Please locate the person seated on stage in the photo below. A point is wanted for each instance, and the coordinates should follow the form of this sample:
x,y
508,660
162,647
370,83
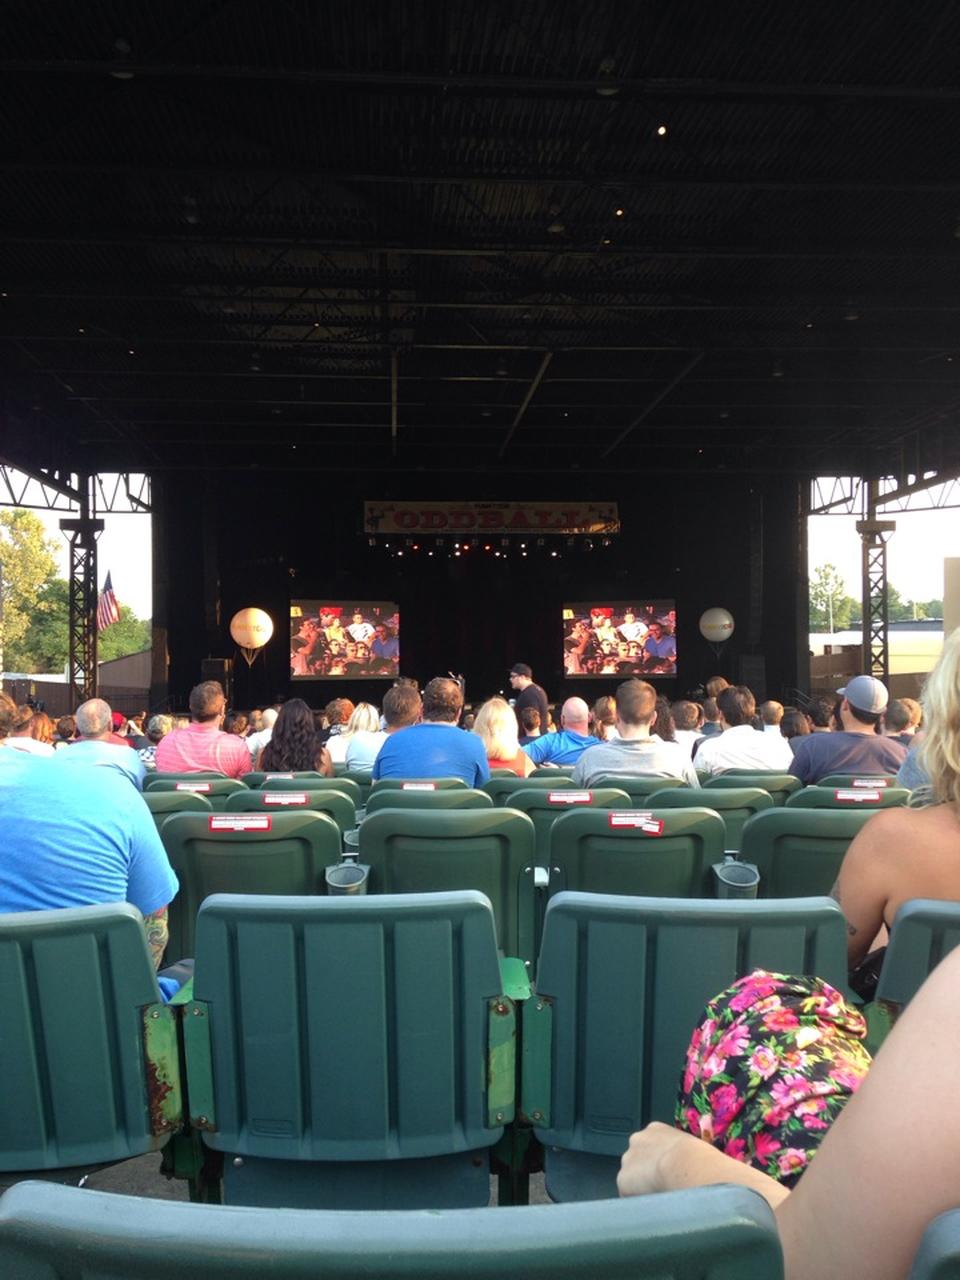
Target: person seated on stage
x,y
638,752
771,716
687,717
902,720
910,853
203,747
496,727
294,745
529,725
887,1167
794,724
364,719
568,744
21,734
856,745
74,837
99,745
740,746
435,748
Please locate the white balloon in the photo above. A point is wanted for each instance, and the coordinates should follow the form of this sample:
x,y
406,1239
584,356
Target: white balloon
x,y
716,625
251,628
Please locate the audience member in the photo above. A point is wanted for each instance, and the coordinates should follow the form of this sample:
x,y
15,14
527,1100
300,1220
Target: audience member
x,y
254,721
236,722
202,746
496,727
365,742
886,1169
136,737
687,718
711,726
258,740
118,730
21,735
911,853
435,748
8,714
528,693
76,837
771,716
604,716
637,752
402,706
365,718
157,727
666,728
902,720
337,714
568,744
530,725
820,711
794,724
66,732
856,745
715,686
740,746
99,745
294,745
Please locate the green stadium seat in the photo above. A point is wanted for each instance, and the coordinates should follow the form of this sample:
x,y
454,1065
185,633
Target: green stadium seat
x,y
639,789
779,785
501,789
363,779
545,805
216,790
621,984
350,1052
88,1051
315,782
337,804
924,931
663,853
551,771
152,779
799,851
938,1256
449,798
275,853
503,773
734,805
711,1233
260,776
858,780
416,784
162,803
820,797
431,850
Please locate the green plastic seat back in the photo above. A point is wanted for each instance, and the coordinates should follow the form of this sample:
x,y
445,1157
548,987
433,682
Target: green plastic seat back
x,y
622,984
640,788
799,851
439,850
501,789
162,803
154,779
923,932
416,784
779,785
821,797
544,805
551,771
938,1256
77,986
216,790
667,853
275,853
449,798
339,806
363,779
734,805
858,780
311,782
712,1233
344,1028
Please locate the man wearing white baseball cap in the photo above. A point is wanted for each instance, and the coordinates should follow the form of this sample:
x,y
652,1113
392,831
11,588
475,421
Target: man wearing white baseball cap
x,y
856,746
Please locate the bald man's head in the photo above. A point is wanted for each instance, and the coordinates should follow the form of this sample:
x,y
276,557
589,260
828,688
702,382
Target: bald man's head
x,y
575,715
94,718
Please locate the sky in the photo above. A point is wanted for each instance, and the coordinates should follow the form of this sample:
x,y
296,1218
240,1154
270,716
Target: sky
x,y
915,552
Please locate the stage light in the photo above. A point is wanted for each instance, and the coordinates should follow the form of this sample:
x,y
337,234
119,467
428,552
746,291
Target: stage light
x,y
606,240
457,554
416,546
619,212
496,555
78,331
556,228
661,130
486,546
554,554
523,553
399,553
130,351
429,553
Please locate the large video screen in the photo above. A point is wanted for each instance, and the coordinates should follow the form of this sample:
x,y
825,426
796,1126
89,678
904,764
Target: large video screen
x,y
344,640
620,638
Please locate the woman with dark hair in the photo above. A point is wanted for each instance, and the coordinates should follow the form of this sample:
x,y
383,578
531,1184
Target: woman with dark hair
x,y
665,726
295,746
794,724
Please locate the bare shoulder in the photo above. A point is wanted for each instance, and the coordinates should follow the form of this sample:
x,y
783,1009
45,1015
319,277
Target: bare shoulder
x,y
894,830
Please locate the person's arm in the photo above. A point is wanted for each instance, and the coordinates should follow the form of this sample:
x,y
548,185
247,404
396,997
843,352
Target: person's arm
x,y
528,765
862,888
538,749
157,933
325,763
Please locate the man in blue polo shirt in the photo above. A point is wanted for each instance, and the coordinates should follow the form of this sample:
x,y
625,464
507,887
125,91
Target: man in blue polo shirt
x,y
435,748
567,746
77,837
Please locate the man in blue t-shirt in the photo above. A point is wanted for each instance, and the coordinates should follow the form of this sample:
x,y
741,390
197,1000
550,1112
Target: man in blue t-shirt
x,y
567,746
435,748
78,837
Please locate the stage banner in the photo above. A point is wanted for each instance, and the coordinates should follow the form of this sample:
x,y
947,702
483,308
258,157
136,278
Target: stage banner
x,y
387,518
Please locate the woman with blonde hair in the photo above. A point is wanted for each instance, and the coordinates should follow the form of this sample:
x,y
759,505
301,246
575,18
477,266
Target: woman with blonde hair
x,y
364,718
604,715
496,727
364,737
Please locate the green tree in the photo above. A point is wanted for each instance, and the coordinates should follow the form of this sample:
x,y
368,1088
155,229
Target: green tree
x,y
29,563
831,609
130,635
46,645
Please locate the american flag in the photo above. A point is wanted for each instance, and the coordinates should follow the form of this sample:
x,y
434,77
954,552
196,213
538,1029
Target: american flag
x,y
108,611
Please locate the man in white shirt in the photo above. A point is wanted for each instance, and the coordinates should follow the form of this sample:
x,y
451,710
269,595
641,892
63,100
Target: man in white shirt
x,y
638,752
257,741
360,632
740,746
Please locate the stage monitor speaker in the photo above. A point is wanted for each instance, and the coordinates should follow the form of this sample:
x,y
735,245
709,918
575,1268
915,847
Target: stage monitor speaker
x,y
221,670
